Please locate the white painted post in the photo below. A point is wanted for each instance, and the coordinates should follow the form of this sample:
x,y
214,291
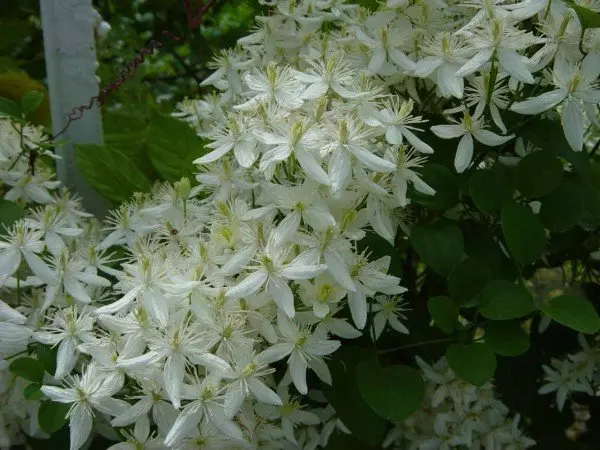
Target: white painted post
x,y
70,51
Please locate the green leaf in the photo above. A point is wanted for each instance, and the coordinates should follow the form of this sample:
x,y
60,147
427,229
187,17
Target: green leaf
x,y
172,147
27,368
524,235
393,392
31,101
474,363
440,245
587,17
467,279
47,356
52,416
489,189
591,205
9,108
445,184
562,208
33,392
573,312
539,173
110,172
507,338
9,213
345,396
503,300
483,247
444,313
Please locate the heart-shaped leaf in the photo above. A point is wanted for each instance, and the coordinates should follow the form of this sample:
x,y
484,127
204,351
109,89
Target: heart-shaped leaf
x,y
393,392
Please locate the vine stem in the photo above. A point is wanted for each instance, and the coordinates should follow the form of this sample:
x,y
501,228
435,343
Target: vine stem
x,y
418,344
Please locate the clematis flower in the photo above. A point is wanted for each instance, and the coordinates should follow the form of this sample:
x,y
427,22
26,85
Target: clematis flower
x,y
467,129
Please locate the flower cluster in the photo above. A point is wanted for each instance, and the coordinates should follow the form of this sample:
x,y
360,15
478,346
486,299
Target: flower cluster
x,y
576,373
17,142
456,414
197,314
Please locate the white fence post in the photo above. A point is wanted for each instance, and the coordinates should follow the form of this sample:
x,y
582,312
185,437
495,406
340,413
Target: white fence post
x,y
70,51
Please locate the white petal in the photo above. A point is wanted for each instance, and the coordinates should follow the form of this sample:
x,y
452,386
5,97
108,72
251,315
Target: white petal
x,y
541,103
297,367
371,160
338,268
133,413
249,285
59,395
358,308
464,153
312,168
238,260
573,124
401,59
417,143
315,90
173,376
287,227
156,304
263,393
490,138
246,153
475,63
321,347
76,289
65,358
320,368
212,362
119,304
393,135
138,362
282,295
448,131
339,170
10,260
377,60
80,425
187,420
40,268
343,329
275,353
226,426
320,309
514,65
298,270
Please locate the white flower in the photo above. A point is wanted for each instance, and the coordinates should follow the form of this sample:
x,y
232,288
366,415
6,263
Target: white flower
x,y
21,241
298,138
405,163
86,393
446,53
397,120
69,328
332,74
388,311
350,140
469,128
576,86
385,45
499,38
274,274
235,135
290,413
140,439
304,348
274,84
205,395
